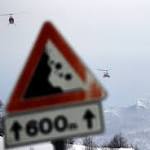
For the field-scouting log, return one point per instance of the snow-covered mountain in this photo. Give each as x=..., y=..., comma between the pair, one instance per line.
x=132, y=122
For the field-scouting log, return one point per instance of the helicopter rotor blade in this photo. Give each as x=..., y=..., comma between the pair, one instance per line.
x=103, y=69
x=6, y=14
x=10, y=14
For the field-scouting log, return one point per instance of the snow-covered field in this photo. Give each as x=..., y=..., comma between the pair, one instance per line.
x=49, y=146
x=81, y=147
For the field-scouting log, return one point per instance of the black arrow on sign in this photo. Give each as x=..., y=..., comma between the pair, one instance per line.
x=16, y=127
x=88, y=116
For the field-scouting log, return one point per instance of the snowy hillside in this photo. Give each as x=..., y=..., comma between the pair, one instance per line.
x=132, y=122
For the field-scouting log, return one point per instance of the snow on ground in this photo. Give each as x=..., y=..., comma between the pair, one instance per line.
x=49, y=146
x=1, y=143
x=82, y=147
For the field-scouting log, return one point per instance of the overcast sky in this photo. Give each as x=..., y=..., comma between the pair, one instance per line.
x=106, y=34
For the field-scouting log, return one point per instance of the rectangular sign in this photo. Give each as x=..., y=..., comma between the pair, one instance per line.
x=50, y=124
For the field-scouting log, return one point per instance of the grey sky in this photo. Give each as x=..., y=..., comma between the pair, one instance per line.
x=113, y=34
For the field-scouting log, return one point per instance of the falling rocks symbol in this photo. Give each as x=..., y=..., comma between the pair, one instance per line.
x=39, y=85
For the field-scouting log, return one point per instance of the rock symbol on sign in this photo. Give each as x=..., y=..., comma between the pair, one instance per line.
x=53, y=76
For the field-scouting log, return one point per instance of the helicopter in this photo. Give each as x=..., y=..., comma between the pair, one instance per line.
x=11, y=19
x=106, y=74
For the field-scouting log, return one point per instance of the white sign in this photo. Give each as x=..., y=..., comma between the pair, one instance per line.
x=52, y=124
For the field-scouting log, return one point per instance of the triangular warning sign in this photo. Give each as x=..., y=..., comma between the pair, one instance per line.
x=53, y=76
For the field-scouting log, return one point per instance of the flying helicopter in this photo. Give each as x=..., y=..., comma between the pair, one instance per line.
x=11, y=19
x=106, y=74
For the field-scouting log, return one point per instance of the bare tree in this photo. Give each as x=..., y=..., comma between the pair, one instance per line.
x=1, y=119
x=89, y=143
x=118, y=141
x=135, y=147
x=69, y=143
x=2, y=126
